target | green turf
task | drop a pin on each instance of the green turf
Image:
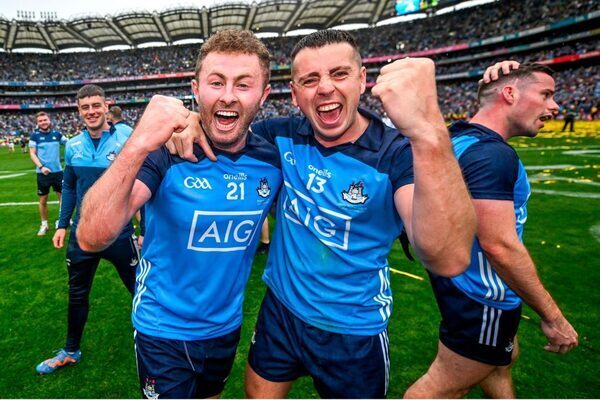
(558, 234)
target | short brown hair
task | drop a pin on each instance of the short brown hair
(41, 114)
(116, 112)
(525, 71)
(236, 41)
(89, 91)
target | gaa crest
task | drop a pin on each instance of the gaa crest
(354, 194)
(263, 188)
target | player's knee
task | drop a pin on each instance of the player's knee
(44, 200)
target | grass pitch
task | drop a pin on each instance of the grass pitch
(562, 234)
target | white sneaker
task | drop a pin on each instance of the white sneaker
(43, 230)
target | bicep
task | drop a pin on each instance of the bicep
(140, 194)
(403, 200)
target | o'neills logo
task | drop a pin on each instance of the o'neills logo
(241, 176)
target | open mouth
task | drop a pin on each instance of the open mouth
(226, 120)
(545, 118)
(329, 113)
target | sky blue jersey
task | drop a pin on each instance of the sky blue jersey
(84, 164)
(47, 146)
(123, 128)
(336, 222)
(492, 170)
(203, 222)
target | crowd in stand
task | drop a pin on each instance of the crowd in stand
(488, 20)
(577, 86)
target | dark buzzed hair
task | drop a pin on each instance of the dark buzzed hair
(116, 112)
(320, 39)
(89, 91)
(236, 41)
(525, 72)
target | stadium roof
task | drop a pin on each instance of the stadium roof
(139, 27)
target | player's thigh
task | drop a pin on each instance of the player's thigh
(43, 185)
(218, 357)
(452, 375)
(56, 181)
(81, 266)
(275, 349)
(347, 366)
(164, 370)
(124, 255)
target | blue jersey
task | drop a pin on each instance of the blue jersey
(492, 170)
(202, 222)
(336, 222)
(84, 164)
(47, 147)
(123, 128)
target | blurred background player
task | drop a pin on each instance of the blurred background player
(87, 156)
(481, 308)
(115, 118)
(44, 151)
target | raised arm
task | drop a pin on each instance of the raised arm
(437, 209)
(116, 196)
(511, 260)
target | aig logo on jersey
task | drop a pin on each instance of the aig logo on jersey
(221, 231)
(193, 182)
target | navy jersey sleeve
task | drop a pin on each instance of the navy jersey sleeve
(402, 166)
(490, 170)
(68, 198)
(154, 168)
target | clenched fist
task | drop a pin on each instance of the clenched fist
(409, 96)
(163, 116)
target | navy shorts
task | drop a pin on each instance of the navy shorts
(474, 330)
(177, 369)
(342, 366)
(52, 180)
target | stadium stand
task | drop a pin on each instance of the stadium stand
(561, 34)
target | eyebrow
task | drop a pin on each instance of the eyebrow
(237, 78)
(316, 74)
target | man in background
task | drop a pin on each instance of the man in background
(44, 151)
(481, 308)
(87, 156)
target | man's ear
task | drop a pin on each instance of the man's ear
(509, 94)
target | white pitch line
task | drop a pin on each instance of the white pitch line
(541, 178)
(406, 274)
(568, 148)
(11, 176)
(595, 231)
(579, 195)
(556, 166)
(26, 203)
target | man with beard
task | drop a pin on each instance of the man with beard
(87, 156)
(481, 308)
(202, 219)
(349, 190)
(44, 151)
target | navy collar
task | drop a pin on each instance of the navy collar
(371, 139)
(462, 125)
(110, 131)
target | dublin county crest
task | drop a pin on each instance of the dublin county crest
(263, 188)
(354, 194)
(149, 389)
(111, 156)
